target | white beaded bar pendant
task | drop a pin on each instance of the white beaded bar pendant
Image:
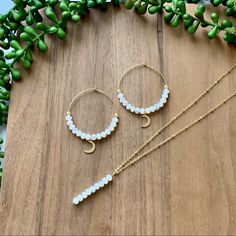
(92, 189)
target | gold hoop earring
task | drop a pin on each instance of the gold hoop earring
(91, 138)
(138, 110)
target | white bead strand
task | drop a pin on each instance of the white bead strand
(148, 110)
(91, 137)
(92, 189)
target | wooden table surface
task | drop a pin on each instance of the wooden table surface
(187, 187)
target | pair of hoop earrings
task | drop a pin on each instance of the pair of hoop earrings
(144, 112)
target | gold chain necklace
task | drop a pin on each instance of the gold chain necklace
(134, 158)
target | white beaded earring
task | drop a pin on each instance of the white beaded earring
(91, 138)
(138, 110)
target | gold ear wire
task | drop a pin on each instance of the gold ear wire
(95, 89)
(137, 66)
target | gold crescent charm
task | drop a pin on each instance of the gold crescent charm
(92, 149)
(147, 124)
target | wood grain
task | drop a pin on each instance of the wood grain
(188, 187)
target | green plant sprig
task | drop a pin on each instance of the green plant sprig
(175, 12)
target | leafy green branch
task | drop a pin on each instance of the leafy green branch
(175, 12)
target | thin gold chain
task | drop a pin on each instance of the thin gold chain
(131, 160)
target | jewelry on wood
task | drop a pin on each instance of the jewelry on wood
(92, 189)
(135, 158)
(139, 110)
(90, 138)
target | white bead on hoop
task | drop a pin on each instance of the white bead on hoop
(141, 110)
(90, 138)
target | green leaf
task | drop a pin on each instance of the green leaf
(143, 8)
(10, 55)
(28, 55)
(25, 63)
(42, 46)
(63, 6)
(154, 9)
(175, 22)
(29, 30)
(75, 18)
(30, 19)
(25, 37)
(50, 14)
(215, 17)
(231, 30)
(52, 30)
(41, 26)
(14, 44)
(137, 4)
(193, 28)
(3, 18)
(129, 4)
(168, 17)
(213, 32)
(226, 23)
(15, 74)
(61, 33)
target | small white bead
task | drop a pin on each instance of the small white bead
(111, 128)
(128, 106)
(163, 100)
(83, 136)
(147, 110)
(75, 200)
(68, 117)
(137, 110)
(98, 136)
(164, 95)
(88, 137)
(120, 95)
(88, 191)
(122, 100)
(152, 108)
(166, 90)
(101, 183)
(93, 137)
(157, 107)
(78, 133)
(103, 134)
(113, 124)
(71, 127)
(142, 111)
(80, 198)
(93, 189)
(115, 119)
(161, 104)
(132, 109)
(69, 122)
(84, 195)
(125, 103)
(105, 180)
(96, 186)
(109, 177)
(74, 130)
(108, 132)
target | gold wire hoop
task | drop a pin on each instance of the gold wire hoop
(137, 66)
(90, 138)
(140, 110)
(88, 91)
